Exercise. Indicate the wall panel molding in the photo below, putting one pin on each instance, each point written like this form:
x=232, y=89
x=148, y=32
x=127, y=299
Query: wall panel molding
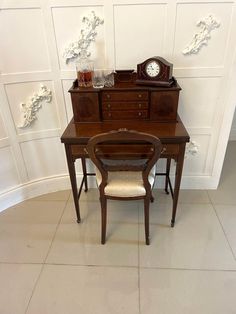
x=4, y=142
x=31, y=136
x=27, y=77
x=22, y=4
x=6, y=113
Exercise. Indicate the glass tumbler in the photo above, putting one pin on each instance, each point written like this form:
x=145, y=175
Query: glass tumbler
x=98, y=78
x=109, y=77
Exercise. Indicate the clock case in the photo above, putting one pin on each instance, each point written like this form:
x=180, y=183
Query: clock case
x=164, y=77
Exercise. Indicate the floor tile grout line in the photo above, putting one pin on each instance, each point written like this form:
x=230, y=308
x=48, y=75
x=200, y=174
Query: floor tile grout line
x=223, y=229
x=189, y=269
x=124, y=266
x=43, y=264
x=58, y=224
x=33, y=290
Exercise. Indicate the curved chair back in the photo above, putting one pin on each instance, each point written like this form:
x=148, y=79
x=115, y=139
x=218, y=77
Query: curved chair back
x=124, y=150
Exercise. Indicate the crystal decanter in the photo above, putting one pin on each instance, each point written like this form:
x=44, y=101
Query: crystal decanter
x=84, y=69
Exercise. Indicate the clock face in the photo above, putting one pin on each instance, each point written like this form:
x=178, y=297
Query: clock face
x=152, y=68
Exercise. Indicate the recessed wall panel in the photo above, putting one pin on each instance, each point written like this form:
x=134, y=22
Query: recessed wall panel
x=44, y=158
x=8, y=172
x=24, y=48
x=2, y=129
x=68, y=31
x=139, y=33
x=46, y=116
x=212, y=52
x=67, y=84
x=199, y=100
x=195, y=164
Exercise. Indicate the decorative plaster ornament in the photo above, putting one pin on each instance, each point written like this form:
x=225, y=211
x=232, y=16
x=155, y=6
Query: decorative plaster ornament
x=87, y=35
x=29, y=110
x=191, y=149
x=207, y=25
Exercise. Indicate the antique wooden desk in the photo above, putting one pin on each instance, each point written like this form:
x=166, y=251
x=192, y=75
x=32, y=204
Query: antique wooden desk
x=146, y=109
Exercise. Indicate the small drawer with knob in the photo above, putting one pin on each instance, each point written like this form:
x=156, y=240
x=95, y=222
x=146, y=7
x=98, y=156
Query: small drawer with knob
x=125, y=96
x=125, y=114
x=125, y=105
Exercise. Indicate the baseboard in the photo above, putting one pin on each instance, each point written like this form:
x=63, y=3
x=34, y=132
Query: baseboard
x=32, y=189
x=58, y=183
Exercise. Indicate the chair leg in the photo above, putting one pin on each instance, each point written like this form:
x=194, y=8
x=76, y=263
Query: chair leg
x=152, y=198
x=104, y=219
x=146, y=219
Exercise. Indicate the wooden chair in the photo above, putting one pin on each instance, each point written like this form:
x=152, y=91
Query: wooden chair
x=125, y=169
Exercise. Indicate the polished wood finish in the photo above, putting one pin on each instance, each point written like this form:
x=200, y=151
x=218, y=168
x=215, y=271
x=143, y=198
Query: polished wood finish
x=164, y=77
x=168, y=132
x=172, y=135
x=151, y=150
x=124, y=96
x=164, y=105
x=146, y=109
x=126, y=100
x=85, y=106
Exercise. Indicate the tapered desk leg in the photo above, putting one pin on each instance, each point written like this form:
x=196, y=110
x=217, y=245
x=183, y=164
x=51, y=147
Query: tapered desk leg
x=178, y=175
x=72, y=173
x=168, y=163
x=83, y=160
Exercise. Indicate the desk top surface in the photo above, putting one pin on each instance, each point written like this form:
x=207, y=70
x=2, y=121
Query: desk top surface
x=167, y=132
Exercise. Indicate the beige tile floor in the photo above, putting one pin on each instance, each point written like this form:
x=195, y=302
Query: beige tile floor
x=49, y=264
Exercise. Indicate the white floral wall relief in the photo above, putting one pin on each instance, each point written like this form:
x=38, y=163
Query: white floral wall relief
x=30, y=109
x=192, y=149
x=87, y=35
x=206, y=24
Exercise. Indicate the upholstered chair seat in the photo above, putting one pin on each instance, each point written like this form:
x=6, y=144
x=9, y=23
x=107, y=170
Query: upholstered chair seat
x=125, y=183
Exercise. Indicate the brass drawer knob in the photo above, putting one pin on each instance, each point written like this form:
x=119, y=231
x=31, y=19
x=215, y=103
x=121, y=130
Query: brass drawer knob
x=139, y=95
x=140, y=113
x=108, y=96
x=109, y=114
x=108, y=106
x=139, y=105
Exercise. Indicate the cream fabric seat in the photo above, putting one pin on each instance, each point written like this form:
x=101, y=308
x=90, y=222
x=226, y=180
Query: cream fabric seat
x=125, y=183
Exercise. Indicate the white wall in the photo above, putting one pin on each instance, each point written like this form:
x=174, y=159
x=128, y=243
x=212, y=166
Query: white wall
x=34, y=34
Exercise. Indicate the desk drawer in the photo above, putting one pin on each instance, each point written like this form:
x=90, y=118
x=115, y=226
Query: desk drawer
x=119, y=151
x=124, y=105
x=124, y=96
x=170, y=150
x=125, y=114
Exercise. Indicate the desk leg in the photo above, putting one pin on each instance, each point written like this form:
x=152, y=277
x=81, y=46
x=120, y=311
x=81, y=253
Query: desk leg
x=83, y=161
x=178, y=175
x=168, y=163
x=72, y=173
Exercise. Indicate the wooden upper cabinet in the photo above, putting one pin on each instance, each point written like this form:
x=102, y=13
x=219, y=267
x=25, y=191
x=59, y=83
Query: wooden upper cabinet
x=164, y=105
x=125, y=101
x=85, y=107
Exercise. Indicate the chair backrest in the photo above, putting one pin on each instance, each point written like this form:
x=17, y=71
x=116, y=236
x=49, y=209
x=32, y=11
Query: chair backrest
x=124, y=150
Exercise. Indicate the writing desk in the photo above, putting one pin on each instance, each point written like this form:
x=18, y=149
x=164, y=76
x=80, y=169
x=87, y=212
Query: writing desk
x=172, y=134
